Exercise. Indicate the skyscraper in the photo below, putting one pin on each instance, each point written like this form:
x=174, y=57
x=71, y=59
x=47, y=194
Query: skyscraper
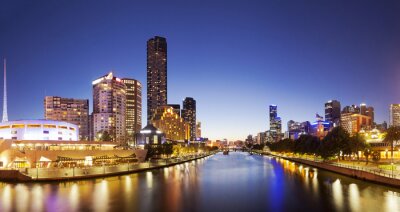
x=189, y=115
x=275, y=123
x=74, y=111
x=133, y=122
x=5, y=114
x=394, y=115
x=363, y=109
x=109, y=108
x=370, y=112
x=156, y=74
x=332, y=112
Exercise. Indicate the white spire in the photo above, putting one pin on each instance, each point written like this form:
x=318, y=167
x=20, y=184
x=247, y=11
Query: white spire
x=5, y=115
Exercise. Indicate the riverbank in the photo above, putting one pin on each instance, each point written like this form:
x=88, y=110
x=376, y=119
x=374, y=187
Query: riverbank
x=66, y=174
x=351, y=171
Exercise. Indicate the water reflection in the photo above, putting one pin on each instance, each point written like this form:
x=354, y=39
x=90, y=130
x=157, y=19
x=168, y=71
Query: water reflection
x=74, y=197
x=6, y=199
x=354, y=197
x=246, y=183
x=101, y=197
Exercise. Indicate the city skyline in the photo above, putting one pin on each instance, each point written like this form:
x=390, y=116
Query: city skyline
x=225, y=69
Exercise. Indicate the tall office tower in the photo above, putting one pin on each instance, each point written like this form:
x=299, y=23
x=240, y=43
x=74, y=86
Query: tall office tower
x=74, y=111
x=156, y=74
x=332, y=112
x=189, y=115
x=198, y=129
x=363, y=109
x=370, y=112
x=133, y=119
x=275, y=123
x=351, y=109
x=109, y=108
x=394, y=115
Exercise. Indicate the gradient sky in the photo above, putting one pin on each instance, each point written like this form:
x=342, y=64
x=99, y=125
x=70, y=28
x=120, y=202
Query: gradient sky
x=234, y=57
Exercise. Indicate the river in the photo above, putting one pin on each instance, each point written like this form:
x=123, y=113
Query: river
x=237, y=182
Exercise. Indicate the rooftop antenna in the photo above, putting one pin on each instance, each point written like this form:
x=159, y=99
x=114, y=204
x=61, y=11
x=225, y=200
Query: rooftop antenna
x=5, y=115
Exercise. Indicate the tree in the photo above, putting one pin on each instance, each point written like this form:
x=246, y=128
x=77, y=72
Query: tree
x=392, y=135
x=167, y=148
x=103, y=136
x=335, y=142
x=357, y=143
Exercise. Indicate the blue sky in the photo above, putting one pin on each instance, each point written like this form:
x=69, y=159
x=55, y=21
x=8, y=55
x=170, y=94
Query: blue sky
x=234, y=57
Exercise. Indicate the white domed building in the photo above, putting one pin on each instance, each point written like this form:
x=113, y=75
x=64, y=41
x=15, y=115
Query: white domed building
x=39, y=130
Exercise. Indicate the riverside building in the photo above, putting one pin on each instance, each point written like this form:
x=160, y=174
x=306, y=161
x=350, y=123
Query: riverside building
x=156, y=74
x=74, y=111
x=109, y=108
x=133, y=119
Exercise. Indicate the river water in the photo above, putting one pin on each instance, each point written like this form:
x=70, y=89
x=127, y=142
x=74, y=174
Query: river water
x=237, y=182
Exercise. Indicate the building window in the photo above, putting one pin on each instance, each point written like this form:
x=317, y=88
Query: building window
x=14, y=138
x=60, y=133
x=45, y=132
x=60, y=138
x=14, y=132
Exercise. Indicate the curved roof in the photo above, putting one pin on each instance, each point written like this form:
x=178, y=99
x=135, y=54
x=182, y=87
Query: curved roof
x=38, y=121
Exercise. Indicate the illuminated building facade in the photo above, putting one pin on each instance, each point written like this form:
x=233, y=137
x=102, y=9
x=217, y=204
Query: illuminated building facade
x=174, y=127
x=150, y=135
x=133, y=119
x=295, y=129
x=176, y=108
x=74, y=111
x=353, y=123
x=109, y=107
x=351, y=109
x=47, y=130
x=332, y=112
x=275, y=123
x=198, y=129
x=394, y=115
x=156, y=74
x=189, y=115
x=49, y=154
x=320, y=128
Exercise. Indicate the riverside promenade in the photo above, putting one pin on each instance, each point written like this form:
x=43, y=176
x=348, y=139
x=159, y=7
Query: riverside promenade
x=60, y=174
x=373, y=174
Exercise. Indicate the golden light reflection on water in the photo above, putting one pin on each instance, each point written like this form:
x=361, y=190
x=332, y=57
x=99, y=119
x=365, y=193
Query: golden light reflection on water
x=149, y=179
x=337, y=192
x=392, y=201
x=22, y=197
x=37, y=198
x=354, y=197
x=101, y=196
x=74, y=197
x=6, y=199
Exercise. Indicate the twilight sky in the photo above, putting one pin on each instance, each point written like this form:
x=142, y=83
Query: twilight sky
x=234, y=57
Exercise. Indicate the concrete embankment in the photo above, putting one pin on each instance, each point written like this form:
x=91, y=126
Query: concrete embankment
x=355, y=173
x=61, y=175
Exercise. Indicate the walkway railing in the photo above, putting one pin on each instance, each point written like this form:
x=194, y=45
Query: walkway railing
x=374, y=170
x=75, y=172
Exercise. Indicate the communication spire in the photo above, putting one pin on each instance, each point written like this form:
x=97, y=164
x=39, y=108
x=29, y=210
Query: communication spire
x=5, y=115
